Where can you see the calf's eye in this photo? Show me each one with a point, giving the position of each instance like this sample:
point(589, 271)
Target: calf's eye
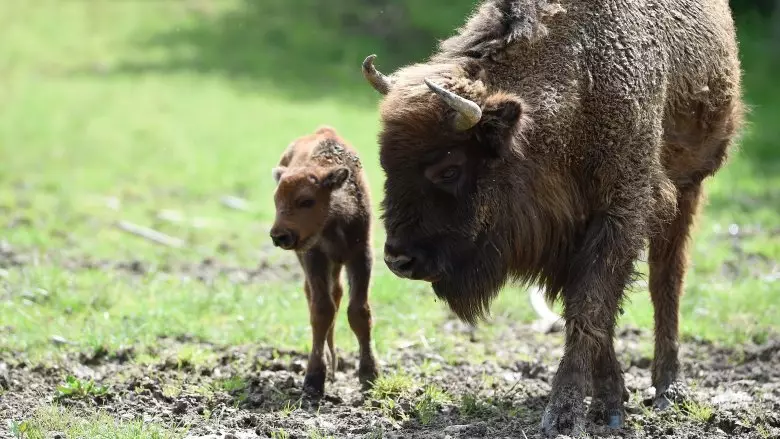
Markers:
point(304, 204)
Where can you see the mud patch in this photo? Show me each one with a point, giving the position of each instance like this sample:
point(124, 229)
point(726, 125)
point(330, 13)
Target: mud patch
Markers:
point(252, 391)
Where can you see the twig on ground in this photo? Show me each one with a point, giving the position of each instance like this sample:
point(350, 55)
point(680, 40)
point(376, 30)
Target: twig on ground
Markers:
point(234, 202)
point(174, 216)
point(150, 234)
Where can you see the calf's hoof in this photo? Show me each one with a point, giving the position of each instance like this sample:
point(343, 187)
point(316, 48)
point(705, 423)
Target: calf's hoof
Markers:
point(564, 415)
point(367, 373)
point(314, 383)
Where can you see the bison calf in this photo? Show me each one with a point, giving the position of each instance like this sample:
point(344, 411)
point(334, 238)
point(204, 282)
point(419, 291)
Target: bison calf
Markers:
point(323, 213)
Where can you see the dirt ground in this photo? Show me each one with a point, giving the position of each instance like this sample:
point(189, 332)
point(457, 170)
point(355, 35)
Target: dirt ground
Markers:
point(498, 398)
point(255, 391)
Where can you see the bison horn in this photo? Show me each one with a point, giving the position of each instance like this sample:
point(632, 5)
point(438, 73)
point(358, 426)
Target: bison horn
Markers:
point(469, 112)
point(379, 81)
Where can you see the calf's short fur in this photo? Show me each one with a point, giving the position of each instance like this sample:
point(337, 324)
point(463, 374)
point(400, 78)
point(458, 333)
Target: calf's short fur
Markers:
point(323, 213)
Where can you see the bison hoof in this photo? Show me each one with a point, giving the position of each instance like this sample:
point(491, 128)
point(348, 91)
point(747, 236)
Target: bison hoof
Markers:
point(665, 398)
point(615, 419)
point(314, 383)
point(613, 416)
point(564, 415)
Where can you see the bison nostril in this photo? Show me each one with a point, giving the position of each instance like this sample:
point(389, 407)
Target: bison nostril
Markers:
point(405, 264)
point(400, 263)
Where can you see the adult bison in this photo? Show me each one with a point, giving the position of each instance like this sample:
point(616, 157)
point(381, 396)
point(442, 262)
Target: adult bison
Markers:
point(547, 143)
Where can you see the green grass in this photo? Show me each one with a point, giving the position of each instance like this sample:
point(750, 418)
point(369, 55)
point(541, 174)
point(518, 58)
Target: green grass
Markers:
point(95, 426)
point(124, 110)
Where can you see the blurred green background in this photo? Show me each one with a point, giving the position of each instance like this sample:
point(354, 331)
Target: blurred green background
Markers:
point(151, 112)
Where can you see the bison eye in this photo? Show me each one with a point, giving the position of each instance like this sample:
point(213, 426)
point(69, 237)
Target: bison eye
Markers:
point(449, 174)
point(306, 203)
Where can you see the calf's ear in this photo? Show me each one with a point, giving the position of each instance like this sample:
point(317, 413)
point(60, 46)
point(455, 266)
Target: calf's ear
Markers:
point(277, 173)
point(502, 117)
point(335, 177)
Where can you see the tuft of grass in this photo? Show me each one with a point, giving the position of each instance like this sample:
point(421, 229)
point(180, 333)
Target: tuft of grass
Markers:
point(232, 384)
point(429, 403)
point(392, 386)
point(77, 388)
point(45, 421)
point(471, 406)
point(290, 407)
point(280, 433)
point(698, 411)
point(317, 434)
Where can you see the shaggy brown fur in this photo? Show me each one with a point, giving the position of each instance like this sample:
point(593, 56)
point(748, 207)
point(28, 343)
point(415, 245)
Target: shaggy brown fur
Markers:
point(599, 121)
point(323, 213)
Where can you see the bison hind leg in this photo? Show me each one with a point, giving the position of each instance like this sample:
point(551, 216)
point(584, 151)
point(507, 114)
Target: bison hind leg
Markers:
point(668, 265)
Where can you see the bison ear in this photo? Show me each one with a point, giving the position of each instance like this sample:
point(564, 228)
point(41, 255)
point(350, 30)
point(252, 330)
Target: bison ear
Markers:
point(277, 173)
point(335, 177)
point(501, 116)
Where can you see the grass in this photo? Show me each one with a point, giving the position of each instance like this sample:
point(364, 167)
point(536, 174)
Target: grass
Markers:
point(136, 110)
point(95, 426)
point(76, 388)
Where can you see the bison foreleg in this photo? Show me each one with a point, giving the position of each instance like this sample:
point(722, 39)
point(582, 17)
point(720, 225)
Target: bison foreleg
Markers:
point(598, 273)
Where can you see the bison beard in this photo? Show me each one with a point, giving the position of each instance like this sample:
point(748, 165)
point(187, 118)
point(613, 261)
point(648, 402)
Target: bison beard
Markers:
point(472, 282)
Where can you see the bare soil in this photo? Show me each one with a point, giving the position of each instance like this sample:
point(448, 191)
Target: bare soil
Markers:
point(501, 397)
point(255, 391)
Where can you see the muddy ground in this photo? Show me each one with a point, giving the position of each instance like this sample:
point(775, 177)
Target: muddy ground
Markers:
point(255, 391)
point(501, 397)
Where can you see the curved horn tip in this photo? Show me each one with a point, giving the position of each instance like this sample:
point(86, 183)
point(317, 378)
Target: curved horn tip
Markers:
point(469, 112)
point(369, 61)
point(379, 81)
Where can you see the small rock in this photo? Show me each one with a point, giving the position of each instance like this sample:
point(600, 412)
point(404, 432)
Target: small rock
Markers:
point(731, 398)
point(59, 340)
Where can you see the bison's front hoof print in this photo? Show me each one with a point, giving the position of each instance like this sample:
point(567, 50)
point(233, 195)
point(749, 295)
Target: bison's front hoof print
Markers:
point(314, 384)
point(562, 419)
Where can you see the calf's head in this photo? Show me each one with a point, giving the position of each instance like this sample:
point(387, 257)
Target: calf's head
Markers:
point(446, 147)
point(302, 200)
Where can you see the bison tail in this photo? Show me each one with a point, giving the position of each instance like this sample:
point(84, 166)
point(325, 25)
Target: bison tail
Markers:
point(548, 321)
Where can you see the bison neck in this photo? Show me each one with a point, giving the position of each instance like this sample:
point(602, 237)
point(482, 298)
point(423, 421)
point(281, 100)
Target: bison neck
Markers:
point(528, 241)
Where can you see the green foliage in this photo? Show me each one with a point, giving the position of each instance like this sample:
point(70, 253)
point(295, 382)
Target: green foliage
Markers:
point(94, 426)
point(76, 388)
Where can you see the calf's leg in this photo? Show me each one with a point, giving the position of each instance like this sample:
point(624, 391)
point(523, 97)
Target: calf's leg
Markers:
point(359, 313)
point(668, 263)
point(337, 292)
point(322, 312)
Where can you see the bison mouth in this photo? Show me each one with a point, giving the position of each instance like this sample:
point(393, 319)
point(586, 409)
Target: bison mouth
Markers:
point(472, 280)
